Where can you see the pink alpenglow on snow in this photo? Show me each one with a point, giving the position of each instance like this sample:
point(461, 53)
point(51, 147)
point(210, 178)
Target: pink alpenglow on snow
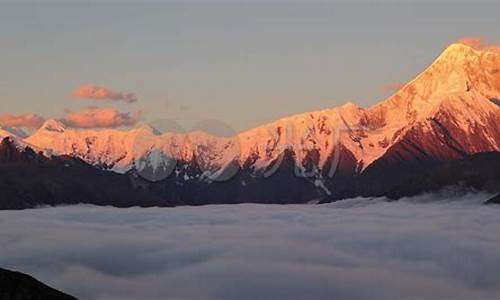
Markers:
point(456, 90)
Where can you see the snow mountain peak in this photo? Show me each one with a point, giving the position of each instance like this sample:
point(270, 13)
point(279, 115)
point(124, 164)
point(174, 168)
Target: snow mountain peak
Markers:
point(53, 125)
point(445, 112)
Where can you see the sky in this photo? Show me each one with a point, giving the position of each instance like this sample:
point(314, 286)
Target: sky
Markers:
point(243, 63)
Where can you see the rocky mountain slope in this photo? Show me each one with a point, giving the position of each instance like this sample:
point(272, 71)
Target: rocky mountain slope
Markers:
point(30, 179)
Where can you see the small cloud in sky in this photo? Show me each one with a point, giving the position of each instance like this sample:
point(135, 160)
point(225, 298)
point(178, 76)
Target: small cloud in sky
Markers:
point(95, 92)
point(28, 120)
point(479, 43)
point(95, 117)
point(393, 86)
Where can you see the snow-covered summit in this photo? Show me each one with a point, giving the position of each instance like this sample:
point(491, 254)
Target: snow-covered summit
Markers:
point(53, 125)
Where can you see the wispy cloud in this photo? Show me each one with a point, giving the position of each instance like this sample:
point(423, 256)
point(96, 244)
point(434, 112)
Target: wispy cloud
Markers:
point(95, 117)
point(29, 120)
point(354, 249)
point(480, 44)
point(95, 92)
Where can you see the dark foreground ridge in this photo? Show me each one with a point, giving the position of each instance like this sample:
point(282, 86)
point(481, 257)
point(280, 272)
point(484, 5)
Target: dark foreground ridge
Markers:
point(19, 286)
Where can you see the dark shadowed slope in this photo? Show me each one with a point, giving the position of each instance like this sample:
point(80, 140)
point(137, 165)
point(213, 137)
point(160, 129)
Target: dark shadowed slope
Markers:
point(29, 179)
point(476, 172)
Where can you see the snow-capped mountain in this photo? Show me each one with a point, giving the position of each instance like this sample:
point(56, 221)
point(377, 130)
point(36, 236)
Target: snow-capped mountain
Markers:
point(440, 129)
point(448, 111)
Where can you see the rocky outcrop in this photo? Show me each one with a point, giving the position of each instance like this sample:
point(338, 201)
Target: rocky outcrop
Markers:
point(494, 200)
point(19, 286)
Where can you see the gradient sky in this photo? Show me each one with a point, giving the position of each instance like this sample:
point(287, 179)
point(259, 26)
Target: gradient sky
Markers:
point(243, 63)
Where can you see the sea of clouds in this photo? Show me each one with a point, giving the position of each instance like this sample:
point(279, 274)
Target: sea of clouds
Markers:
point(354, 249)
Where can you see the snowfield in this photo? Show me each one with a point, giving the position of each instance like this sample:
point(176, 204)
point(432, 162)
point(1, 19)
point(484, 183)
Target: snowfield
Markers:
point(417, 248)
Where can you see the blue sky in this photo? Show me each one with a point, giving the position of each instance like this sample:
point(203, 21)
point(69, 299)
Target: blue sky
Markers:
point(242, 63)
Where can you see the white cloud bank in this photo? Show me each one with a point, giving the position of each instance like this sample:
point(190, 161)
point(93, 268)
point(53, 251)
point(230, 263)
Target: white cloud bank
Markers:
point(354, 249)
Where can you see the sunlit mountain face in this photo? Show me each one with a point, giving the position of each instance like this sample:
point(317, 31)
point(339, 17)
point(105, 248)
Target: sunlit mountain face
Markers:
point(457, 93)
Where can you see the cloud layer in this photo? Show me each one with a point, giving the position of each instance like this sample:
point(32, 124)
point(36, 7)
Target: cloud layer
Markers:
point(96, 117)
point(354, 249)
point(30, 120)
point(95, 92)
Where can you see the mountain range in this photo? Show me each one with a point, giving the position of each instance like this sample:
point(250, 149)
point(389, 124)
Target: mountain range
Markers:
point(447, 119)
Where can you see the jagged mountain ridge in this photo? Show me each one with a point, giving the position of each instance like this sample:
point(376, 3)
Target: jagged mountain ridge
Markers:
point(445, 113)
